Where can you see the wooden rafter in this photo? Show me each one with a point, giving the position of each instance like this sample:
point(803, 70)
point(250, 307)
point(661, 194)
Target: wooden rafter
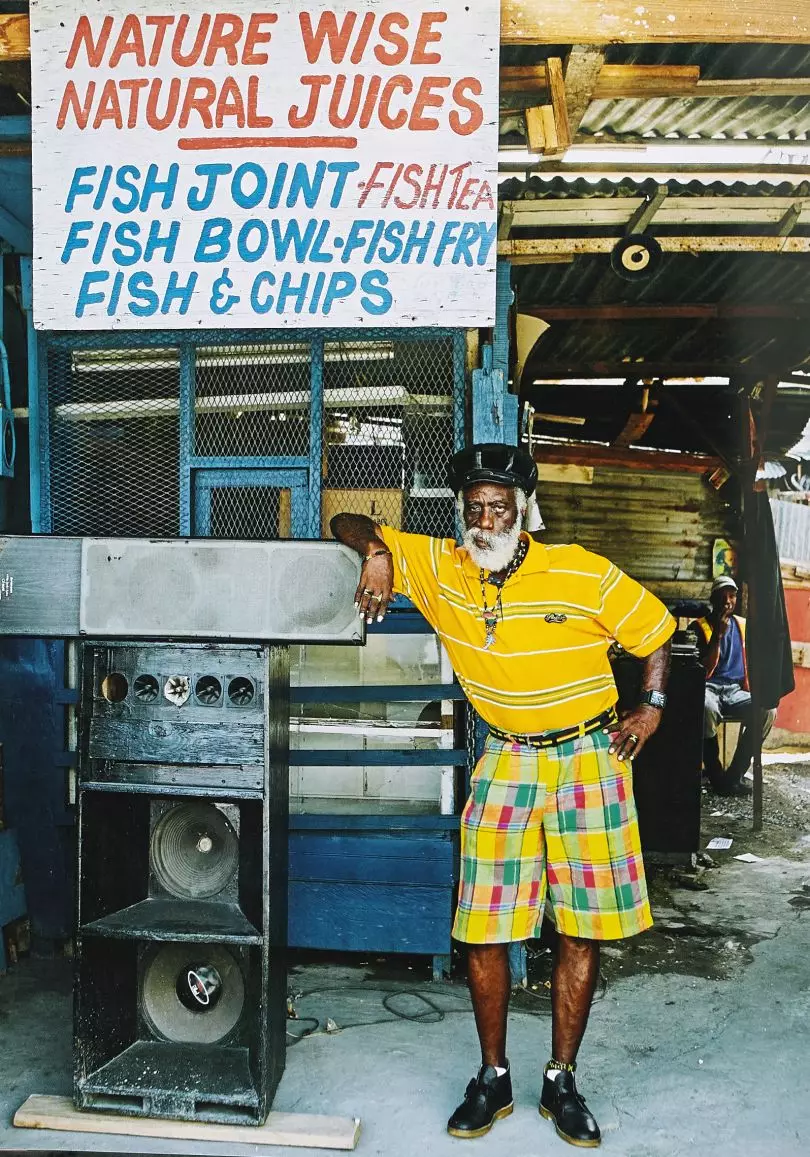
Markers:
point(547, 128)
point(705, 311)
point(656, 21)
point(526, 84)
point(583, 66)
point(527, 251)
point(591, 22)
point(579, 455)
point(622, 212)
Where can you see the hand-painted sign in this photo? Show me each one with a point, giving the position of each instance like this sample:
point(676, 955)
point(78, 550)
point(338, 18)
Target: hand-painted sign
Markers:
point(296, 164)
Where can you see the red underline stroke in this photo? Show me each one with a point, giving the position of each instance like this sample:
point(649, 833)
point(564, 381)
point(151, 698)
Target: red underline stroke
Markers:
point(267, 143)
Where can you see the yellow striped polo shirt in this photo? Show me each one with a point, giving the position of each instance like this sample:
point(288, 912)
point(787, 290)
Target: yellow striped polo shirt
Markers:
point(548, 667)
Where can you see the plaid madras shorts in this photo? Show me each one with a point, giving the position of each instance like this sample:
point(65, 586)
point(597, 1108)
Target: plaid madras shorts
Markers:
point(553, 827)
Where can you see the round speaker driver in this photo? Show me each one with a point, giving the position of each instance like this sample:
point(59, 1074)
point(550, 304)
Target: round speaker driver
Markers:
point(194, 850)
point(167, 969)
point(636, 257)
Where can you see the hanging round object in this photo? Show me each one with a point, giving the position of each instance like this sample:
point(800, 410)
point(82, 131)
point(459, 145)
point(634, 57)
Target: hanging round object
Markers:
point(636, 257)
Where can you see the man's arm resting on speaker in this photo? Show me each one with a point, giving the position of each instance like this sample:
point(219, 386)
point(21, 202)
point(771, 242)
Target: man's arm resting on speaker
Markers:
point(376, 587)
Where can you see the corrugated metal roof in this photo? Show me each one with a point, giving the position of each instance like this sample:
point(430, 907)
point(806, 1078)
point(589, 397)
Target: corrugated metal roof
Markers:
point(539, 188)
point(801, 451)
point(704, 118)
point(777, 278)
point(791, 523)
point(758, 343)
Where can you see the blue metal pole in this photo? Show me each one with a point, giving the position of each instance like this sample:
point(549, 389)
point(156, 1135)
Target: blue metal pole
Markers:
point(37, 408)
point(186, 433)
point(316, 436)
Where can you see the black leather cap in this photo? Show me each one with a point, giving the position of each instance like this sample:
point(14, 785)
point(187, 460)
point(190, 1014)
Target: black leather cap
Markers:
point(493, 462)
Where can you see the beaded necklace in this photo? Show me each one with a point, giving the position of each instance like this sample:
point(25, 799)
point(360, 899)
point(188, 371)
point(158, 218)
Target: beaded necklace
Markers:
point(495, 612)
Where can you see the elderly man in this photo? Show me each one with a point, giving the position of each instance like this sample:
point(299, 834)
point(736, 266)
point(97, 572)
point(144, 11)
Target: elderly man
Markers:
point(721, 639)
point(550, 822)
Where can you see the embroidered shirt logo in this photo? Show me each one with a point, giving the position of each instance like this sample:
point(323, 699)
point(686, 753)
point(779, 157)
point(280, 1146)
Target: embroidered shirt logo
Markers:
point(556, 618)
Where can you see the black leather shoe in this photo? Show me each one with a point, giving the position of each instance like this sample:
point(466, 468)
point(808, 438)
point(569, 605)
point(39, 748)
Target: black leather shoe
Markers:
point(488, 1098)
point(561, 1103)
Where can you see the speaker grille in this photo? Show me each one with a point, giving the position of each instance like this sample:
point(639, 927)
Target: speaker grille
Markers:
point(194, 851)
point(170, 971)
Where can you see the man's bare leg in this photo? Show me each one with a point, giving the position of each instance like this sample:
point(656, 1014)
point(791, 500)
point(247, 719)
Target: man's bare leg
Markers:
point(489, 1095)
point(573, 982)
point(490, 984)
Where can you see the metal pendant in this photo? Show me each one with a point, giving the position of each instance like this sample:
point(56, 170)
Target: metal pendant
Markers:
point(490, 622)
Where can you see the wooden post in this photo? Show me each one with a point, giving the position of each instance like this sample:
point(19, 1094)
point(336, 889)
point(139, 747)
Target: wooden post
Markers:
point(753, 440)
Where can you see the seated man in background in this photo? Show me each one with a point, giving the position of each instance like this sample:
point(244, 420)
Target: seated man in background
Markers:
point(721, 639)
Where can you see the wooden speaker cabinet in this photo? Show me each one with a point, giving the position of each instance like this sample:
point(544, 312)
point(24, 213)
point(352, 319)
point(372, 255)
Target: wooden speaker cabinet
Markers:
point(180, 997)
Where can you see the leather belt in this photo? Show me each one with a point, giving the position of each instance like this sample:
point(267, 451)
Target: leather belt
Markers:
point(554, 738)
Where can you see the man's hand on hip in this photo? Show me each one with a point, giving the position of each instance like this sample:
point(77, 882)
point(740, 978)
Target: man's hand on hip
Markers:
point(635, 728)
point(376, 588)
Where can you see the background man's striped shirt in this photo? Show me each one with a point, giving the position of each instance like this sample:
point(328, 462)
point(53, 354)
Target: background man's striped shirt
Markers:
point(548, 668)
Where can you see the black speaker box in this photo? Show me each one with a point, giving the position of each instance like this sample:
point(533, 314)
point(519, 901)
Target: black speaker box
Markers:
point(666, 776)
point(180, 997)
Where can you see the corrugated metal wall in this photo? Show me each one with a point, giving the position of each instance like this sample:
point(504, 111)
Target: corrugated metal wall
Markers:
point(659, 527)
point(791, 523)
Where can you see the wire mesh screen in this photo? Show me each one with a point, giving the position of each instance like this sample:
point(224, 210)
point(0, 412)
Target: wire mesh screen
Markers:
point(115, 457)
point(249, 512)
point(388, 433)
point(114, 436)
point(253, 401)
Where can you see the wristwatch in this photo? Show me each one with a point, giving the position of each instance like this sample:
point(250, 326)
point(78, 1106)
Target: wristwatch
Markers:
point(653, 699)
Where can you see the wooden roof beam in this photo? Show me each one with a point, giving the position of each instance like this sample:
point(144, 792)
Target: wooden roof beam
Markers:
point(698, 311)
point(581, 454)
point(647, 81)
point(545, 247)
point(656, 21)
point(610, 80)
point(596, 22)
point(583, 66)
point(547, 128)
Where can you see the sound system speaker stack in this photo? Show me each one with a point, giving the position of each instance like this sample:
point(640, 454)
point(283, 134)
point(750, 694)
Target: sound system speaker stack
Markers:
point(182, 803)
point(180, 996)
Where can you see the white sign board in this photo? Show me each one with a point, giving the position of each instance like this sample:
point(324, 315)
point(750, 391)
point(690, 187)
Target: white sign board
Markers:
point(245, 165)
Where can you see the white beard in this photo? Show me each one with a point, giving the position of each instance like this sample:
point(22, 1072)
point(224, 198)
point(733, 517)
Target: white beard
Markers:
point(498, 549)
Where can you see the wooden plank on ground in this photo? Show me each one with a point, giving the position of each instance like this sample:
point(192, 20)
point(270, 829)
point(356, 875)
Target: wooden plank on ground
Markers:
point(628, 22)
point(294, 1129)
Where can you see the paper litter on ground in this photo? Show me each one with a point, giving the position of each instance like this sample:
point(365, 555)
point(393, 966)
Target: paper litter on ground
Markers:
point(749, 858)
point(719, 843)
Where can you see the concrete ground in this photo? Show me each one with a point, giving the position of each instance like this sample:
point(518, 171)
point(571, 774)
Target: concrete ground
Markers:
point(698, 1043)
